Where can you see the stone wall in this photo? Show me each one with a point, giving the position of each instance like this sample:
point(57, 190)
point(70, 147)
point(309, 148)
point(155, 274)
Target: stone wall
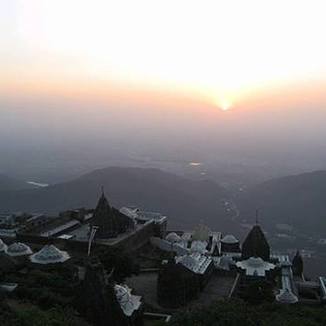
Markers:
point(130, 242)
point(167, 246)
point(137, 238)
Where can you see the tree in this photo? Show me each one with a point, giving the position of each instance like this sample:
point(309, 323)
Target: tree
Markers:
point(258, 291)
point(121, 263)
point(237, 312)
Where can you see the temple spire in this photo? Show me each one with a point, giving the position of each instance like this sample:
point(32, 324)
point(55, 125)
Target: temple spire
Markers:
point(108, 221)
point(297, 265)
point(256, 245)
point(257, 213)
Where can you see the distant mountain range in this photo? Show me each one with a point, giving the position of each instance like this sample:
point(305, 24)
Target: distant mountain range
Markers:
point(186, 202)
point(298, 200)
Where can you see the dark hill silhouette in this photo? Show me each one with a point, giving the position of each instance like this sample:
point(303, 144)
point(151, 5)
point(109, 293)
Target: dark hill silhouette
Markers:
point(299, 200)
point(186, 202)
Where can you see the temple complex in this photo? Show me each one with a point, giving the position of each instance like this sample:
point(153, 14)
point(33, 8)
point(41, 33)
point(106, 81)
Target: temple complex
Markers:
point(176, 269)
point(202, 256)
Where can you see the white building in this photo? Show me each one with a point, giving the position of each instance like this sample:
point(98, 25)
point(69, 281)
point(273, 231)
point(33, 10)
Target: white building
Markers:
point(255, 266)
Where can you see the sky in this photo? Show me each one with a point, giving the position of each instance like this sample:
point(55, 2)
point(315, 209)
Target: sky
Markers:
point(220, 52)
point(239, 72)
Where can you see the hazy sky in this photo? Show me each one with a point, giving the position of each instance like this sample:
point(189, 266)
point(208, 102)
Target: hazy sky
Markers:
point(164, 71)
point(220, 51)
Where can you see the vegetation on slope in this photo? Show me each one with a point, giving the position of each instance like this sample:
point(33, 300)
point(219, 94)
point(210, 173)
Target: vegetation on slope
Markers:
point(238, 313)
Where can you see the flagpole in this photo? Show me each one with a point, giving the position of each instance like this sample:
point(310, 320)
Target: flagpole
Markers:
point(91, 238)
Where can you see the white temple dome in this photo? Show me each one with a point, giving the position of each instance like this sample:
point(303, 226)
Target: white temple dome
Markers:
point(128, 302)
point(230, 239)
point(173, 237)
point(49, 254)
point(18, 249)
point(255, 266)
point(3, 246)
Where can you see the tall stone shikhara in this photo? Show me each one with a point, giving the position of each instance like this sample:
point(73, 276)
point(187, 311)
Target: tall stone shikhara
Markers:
point(297, 265)
point(110, 221)
point(256, 245)
point(97, 299)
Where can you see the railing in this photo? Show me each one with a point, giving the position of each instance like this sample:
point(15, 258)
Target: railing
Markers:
point(157, 316)
point(235, 283)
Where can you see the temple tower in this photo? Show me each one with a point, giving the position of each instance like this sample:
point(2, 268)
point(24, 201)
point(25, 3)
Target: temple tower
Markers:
point(256, 245)
point(110, 221)
point(297, 265)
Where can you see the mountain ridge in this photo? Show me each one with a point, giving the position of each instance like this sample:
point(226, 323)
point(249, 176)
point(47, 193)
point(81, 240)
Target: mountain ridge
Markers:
point(185, 201)
point(298, 200)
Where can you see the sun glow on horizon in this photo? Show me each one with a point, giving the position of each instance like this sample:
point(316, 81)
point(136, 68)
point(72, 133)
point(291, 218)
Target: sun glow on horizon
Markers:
point(226, 106)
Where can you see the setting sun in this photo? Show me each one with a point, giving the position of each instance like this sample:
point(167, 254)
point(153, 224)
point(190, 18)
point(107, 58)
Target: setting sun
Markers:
point(225, 105)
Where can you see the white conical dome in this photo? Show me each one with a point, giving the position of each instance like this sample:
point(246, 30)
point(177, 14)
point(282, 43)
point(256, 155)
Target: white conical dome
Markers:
point(230, 239)
point(18, 249)
point(49, 254)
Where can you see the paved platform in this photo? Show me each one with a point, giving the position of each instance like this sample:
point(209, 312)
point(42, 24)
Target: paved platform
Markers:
point(217, 288)
point(145, 284)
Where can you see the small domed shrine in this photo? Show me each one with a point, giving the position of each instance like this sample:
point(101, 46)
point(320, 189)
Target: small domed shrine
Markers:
point(18, 249)
point(49, 254)
point(229, 243)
